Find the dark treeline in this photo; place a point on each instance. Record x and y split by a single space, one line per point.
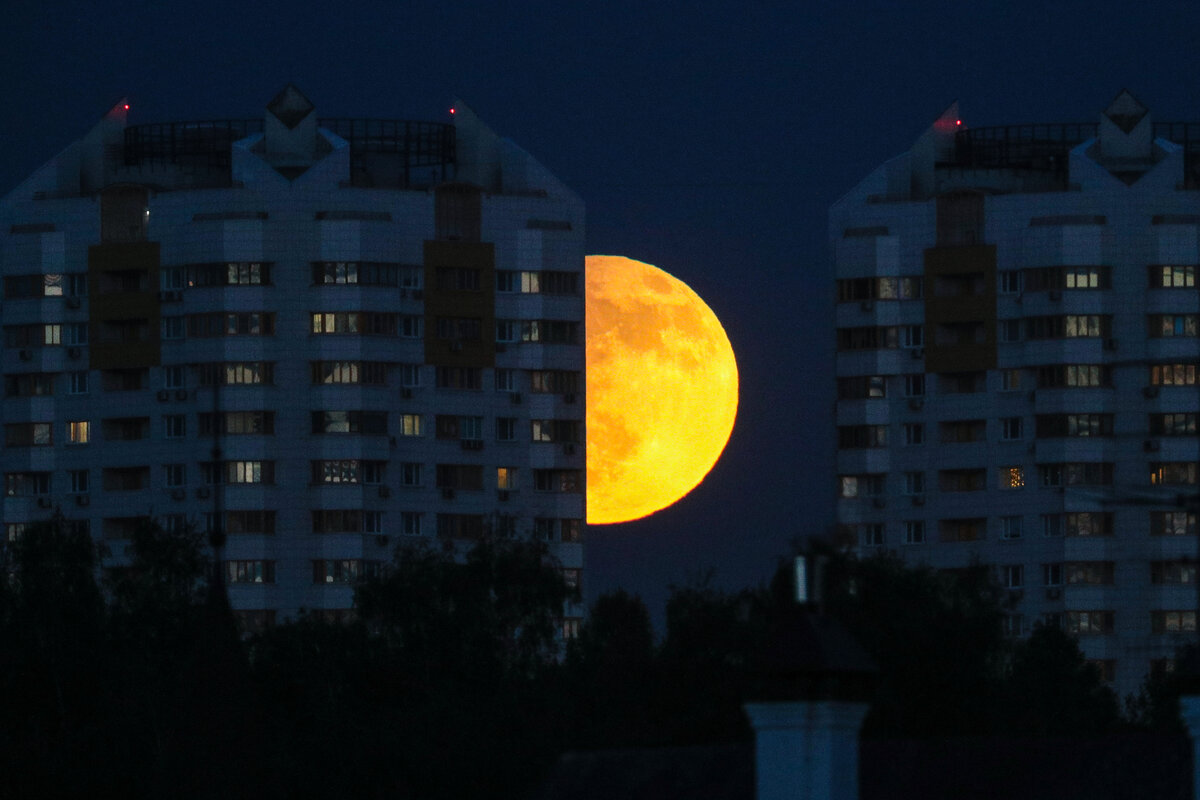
451 681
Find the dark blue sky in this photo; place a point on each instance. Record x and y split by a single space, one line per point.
708 138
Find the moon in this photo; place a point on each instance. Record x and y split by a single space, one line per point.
662 389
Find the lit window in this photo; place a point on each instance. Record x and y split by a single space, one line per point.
506 478
78 432
1012 477
410 424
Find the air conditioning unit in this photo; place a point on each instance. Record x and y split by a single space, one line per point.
1110 344
502 495
406 394
569 449
1151 446
1054 593
1150 392
1055 295
203 493
45 502
74 352
82 499
569 398
516 398
385 492
381 540
163 395
74 302
178 494
26 355
447 494
181 394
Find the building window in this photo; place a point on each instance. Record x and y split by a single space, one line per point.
914 433
174 426
1088 523
914 483
238 523
1089 622
1173 621
506 429
1092 573
1011 527
174 475
410 473
558 480
1010 281
410 425
29 384
77 383
962 382
1172 523
235 423
1173 375
849 436
1010 380
506 380
338 521
172 327
460 526
1067 326
862 387
962 480
1172 276
237 373
1052 574
348 471
851 486
554 381
1013 625
1010 429
1076 474
29 434
1177 424
1171 325
459 378
962 530
173 377
1074 376
250 323
79 481
871 535
914 532
1012 576
360 422
410 523
250 571
506 478
1173 572
261 472
1052 525
1173 473
410 375
963 430
1010 330
1050 426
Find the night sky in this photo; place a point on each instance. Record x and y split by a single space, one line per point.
707 138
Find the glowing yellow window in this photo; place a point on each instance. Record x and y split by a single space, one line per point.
78 432
506 478
1012 477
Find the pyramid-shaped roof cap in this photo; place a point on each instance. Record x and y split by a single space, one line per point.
1126 111
290 106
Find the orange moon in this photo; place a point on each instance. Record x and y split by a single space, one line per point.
662 389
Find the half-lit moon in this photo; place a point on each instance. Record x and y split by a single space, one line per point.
662 389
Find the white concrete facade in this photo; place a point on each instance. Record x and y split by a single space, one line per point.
379 325
1017 352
